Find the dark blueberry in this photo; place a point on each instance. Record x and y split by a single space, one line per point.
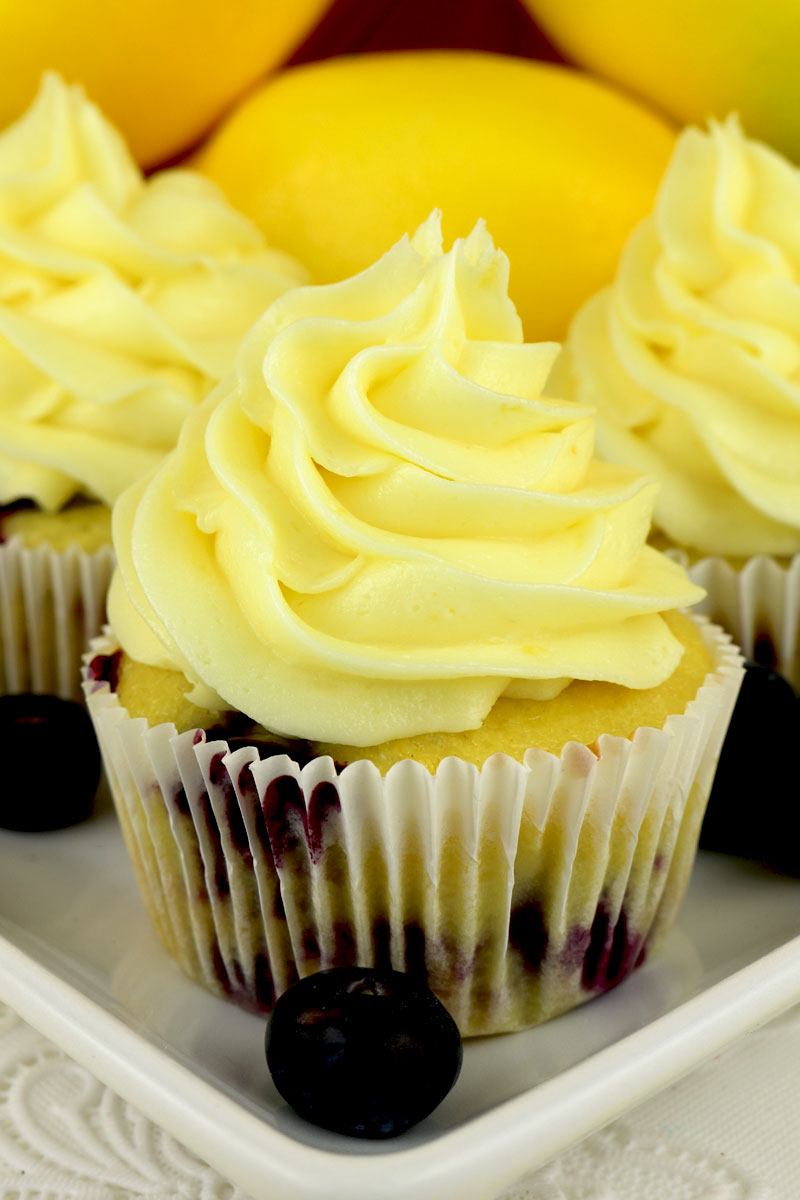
527 933
362 1051
50 763
754 807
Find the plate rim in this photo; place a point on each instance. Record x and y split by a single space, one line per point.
270 1164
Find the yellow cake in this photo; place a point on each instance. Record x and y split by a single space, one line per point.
581 713
82 524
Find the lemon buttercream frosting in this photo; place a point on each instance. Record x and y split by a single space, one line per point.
122 301
381 524
692 355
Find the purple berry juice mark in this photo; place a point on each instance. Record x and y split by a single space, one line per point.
246 784
256 993
104 668
598 937
238 975
247 787
414 938
222 885
264 983
574 950
620 957
220 969
323 807
284 817
181 801
381 943
611 954
527 933
344 945
191 846
234 820
310 945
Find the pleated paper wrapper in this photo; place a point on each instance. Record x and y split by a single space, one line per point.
759 602
51 604
516 891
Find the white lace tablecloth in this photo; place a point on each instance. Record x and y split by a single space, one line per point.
728 1131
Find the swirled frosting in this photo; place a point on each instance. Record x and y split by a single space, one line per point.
122 301
692 355
381 524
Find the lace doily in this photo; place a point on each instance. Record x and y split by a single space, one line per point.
730 1131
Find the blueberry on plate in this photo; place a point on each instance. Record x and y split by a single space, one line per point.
754 806
51 763
363 1052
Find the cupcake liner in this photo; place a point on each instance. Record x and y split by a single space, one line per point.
517 891
759 603
51 604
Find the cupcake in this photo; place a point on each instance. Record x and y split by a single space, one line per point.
122 302
392 676
692 360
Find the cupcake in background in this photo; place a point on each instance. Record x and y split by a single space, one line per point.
692 359
122 302
393 676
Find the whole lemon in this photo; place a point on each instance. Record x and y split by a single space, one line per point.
162 70
692 58
337 160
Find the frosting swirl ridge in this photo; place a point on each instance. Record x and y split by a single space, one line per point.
692 355
122 301
382 524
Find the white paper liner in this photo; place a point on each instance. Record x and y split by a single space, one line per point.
518 890
51 604
759 603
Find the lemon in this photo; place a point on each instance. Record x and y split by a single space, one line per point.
692 58
337 160
162 72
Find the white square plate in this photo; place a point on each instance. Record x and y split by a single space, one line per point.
78 960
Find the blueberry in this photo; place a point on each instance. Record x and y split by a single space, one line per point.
50 762
363 1052
754 807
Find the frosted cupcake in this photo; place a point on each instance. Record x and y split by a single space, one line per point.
122 301
692 359
394 677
